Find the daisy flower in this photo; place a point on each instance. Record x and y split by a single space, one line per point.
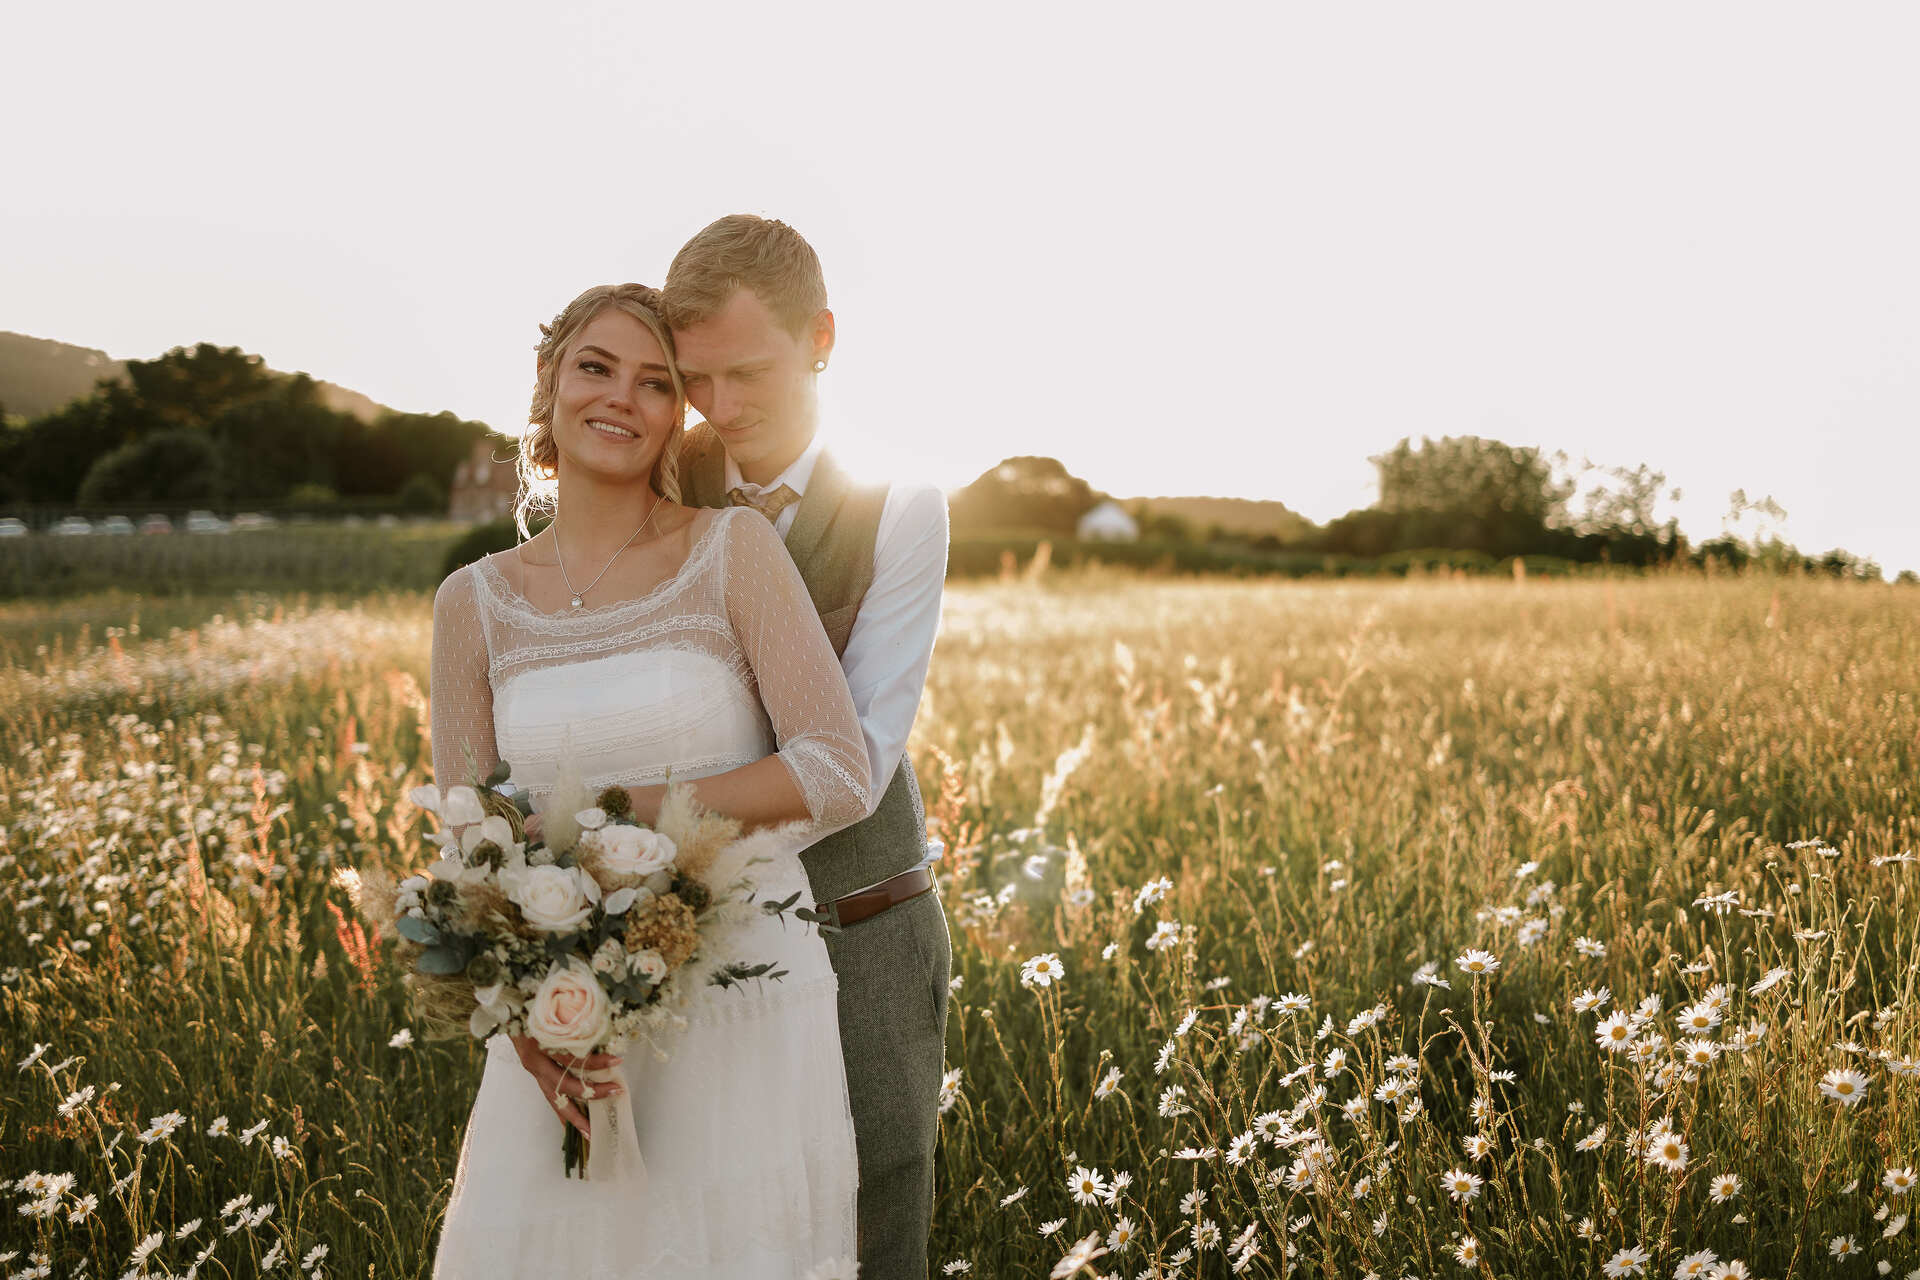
1769 979
1724 1187
1477 962
1698 1017
1468 1252
1696 1265
1845 1086
1615 1032
1898 1181
1698 1052
1628 1262
1842 1247
1042 971
162 1127
1589 1000
1460 1184
1087 1186
1667 1150
1083 1252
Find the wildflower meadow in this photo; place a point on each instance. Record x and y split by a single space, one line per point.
1429 928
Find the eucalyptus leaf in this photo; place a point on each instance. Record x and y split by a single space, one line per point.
414 929
442 960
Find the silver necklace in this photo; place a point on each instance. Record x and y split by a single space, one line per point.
578 598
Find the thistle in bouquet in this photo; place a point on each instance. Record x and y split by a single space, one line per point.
584 939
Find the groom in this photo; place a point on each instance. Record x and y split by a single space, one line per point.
752 332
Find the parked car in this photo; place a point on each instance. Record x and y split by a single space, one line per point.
156 524
115 525
12 528
254 520
72 527
205 522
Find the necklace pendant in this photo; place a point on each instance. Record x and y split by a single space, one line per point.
575 602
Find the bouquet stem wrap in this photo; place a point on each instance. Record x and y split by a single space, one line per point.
612 1154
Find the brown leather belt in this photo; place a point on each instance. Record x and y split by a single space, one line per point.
870 902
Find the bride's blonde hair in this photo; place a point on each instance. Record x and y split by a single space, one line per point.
539 457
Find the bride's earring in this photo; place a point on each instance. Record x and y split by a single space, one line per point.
819 366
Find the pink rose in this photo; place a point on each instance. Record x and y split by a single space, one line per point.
570 1012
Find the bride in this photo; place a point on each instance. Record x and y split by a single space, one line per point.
653 637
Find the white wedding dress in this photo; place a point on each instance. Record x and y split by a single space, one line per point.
745 1128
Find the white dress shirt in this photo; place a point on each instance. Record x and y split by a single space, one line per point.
891 643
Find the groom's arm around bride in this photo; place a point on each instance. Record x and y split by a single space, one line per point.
747 303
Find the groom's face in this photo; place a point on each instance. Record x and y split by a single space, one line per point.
753 380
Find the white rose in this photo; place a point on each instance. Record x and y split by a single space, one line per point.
570 1012
649 964
629 854
609 957
550 898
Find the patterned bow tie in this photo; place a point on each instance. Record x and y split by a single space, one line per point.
769 505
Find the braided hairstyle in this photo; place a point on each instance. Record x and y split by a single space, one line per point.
539 459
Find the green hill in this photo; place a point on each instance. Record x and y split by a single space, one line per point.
38 375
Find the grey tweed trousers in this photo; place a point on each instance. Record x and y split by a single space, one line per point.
893 971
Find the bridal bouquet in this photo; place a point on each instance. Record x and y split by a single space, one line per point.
585 939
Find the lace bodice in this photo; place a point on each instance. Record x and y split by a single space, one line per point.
723 663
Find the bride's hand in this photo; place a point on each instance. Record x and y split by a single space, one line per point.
532 824
560 1082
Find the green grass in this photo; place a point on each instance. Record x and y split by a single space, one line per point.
320 557
1342 782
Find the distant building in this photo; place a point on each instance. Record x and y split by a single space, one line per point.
485 485
1108 523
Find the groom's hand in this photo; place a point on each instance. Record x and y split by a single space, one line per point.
560 1081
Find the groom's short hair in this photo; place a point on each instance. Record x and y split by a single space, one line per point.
741 251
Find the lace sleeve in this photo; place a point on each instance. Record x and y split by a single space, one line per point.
800 680
462 698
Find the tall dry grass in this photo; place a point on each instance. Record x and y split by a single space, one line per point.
1253 825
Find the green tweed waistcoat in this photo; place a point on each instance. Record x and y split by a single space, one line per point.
831 541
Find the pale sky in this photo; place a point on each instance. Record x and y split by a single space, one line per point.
1183 248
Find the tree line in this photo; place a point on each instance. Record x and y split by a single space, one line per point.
212 425
1464 494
